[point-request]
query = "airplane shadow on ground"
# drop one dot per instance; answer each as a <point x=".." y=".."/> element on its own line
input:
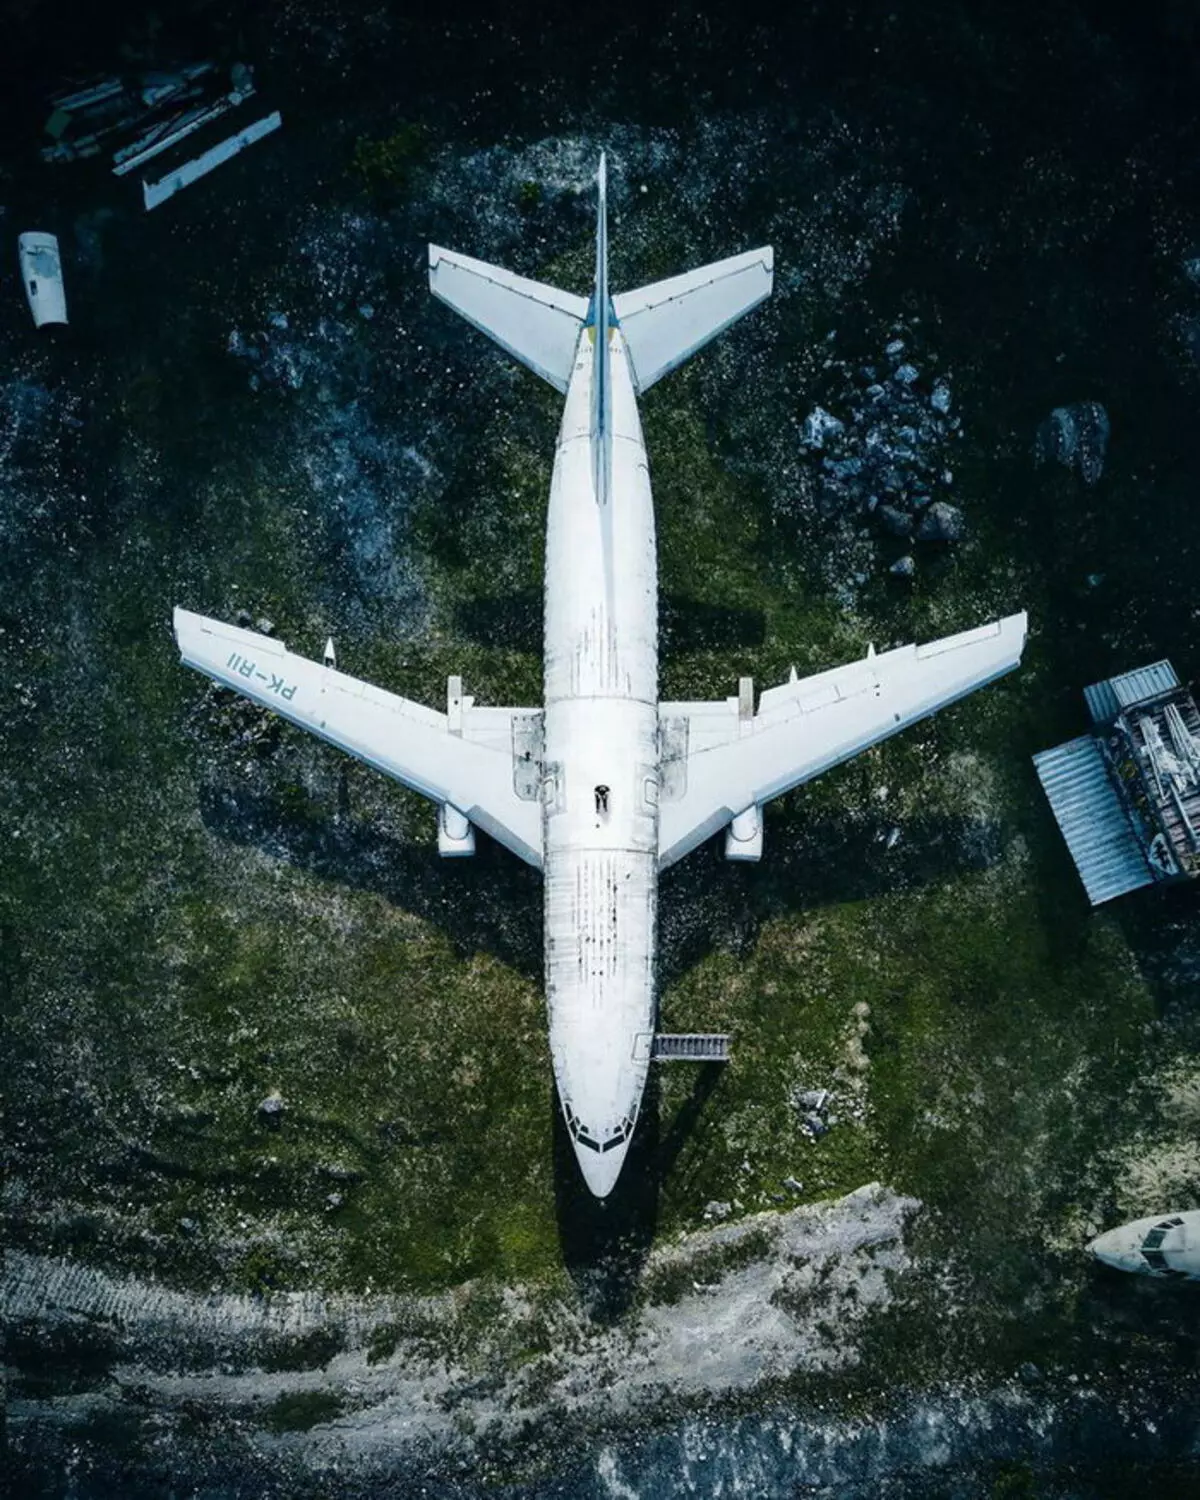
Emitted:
<point x="707" y="902"/>
<point x="493" y="902"/>
<point x="605" y="1242"/>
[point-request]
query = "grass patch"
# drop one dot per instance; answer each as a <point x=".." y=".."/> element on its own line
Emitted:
<point x="297" y="1411"/>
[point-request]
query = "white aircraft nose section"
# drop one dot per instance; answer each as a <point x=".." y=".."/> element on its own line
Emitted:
<point x="601" y="1169"/>
<point x="1119" y="1247"/>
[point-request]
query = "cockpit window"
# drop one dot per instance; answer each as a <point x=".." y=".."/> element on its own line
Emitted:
<point x="584" y="1136"/>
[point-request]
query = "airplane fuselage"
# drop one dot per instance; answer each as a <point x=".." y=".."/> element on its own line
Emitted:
<point x="601" y="772"/>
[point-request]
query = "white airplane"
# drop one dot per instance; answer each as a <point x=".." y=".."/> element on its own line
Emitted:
<point x="604" y="787"/>
<point x="1166" y="1245"/>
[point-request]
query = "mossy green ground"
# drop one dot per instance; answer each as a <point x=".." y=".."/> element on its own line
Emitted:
<point x="1005" y="1020"/>
<point x="196" y="923"/>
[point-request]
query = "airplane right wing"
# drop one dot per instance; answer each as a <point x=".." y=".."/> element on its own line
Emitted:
<point x="476" y="772"/>
<point x="720" y="760"/>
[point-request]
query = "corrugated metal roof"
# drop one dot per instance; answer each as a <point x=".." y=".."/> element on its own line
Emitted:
<point x="1093" y="819"/>
<point x="1106" y="699"/>
<point x="1102" y="702"/>
<point x="1144" y="682"/>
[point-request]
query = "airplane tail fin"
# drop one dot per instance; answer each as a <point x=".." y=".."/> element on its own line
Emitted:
<point x="536" y="324"/>
<point x="598" y="320"/>
<point x="668" y="321"/>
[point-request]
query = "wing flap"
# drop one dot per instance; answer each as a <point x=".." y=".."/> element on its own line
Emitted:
<point x="807" y="725"/>
<point x="403" y="739"/>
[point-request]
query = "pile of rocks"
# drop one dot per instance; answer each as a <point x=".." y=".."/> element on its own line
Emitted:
<point x="887" y="455"/>
<point x="812" y="1105"/>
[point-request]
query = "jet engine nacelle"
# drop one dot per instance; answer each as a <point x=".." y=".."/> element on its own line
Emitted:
<point x="744" y="836"/>
<point x="456" y="837"/>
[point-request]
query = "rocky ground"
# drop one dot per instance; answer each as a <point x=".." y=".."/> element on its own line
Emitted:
<point x="287" y="1199"/>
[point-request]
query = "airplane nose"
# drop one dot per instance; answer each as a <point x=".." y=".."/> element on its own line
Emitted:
<point x="1117" y="1248"/>
<point x="601" y="1169"/>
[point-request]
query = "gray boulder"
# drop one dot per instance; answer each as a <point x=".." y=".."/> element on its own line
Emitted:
<point x="903" y="567"/>
<point x="819" y="425"/>
<point x="1075" y="436"/>
<point x="942" y="522"/>
<point x="894" y="522"/>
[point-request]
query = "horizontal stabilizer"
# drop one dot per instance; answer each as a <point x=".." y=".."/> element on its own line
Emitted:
<point x="536" y="324"/>
<point x="666" y="322"/>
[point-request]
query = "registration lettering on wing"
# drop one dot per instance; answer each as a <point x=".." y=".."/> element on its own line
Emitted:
<point x="276" y="684"/>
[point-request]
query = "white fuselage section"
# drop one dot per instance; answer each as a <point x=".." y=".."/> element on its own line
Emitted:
<point x="601" y="780"/>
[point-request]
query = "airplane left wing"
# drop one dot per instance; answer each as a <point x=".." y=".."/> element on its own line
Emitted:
<point x="722" y="760"/>
<point x="425" y="750"/>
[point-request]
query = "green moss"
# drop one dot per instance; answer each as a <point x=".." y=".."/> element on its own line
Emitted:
<point x="297" y="1411"/>
<point x="388" y="163"/>
<point x="201" y="920"/>
<point x="310" y="1351"/>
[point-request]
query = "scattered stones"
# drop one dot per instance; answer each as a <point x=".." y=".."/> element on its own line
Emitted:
<point x="793" y="1184"/>
<point x="942" y="522"/>
<point x="819" y="425"/>
<point x="273" y="1108"/>
<point x="903" y="567"/>
<point x="1075" y="436"/>
<point x="895" y="522"/>
<point x="716" y="1210"/>
<point x="811" y="1105"/>
<point x="333" y="1202"/>
<point x="338" y="1173"/>
<point x="880" y="449"/>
